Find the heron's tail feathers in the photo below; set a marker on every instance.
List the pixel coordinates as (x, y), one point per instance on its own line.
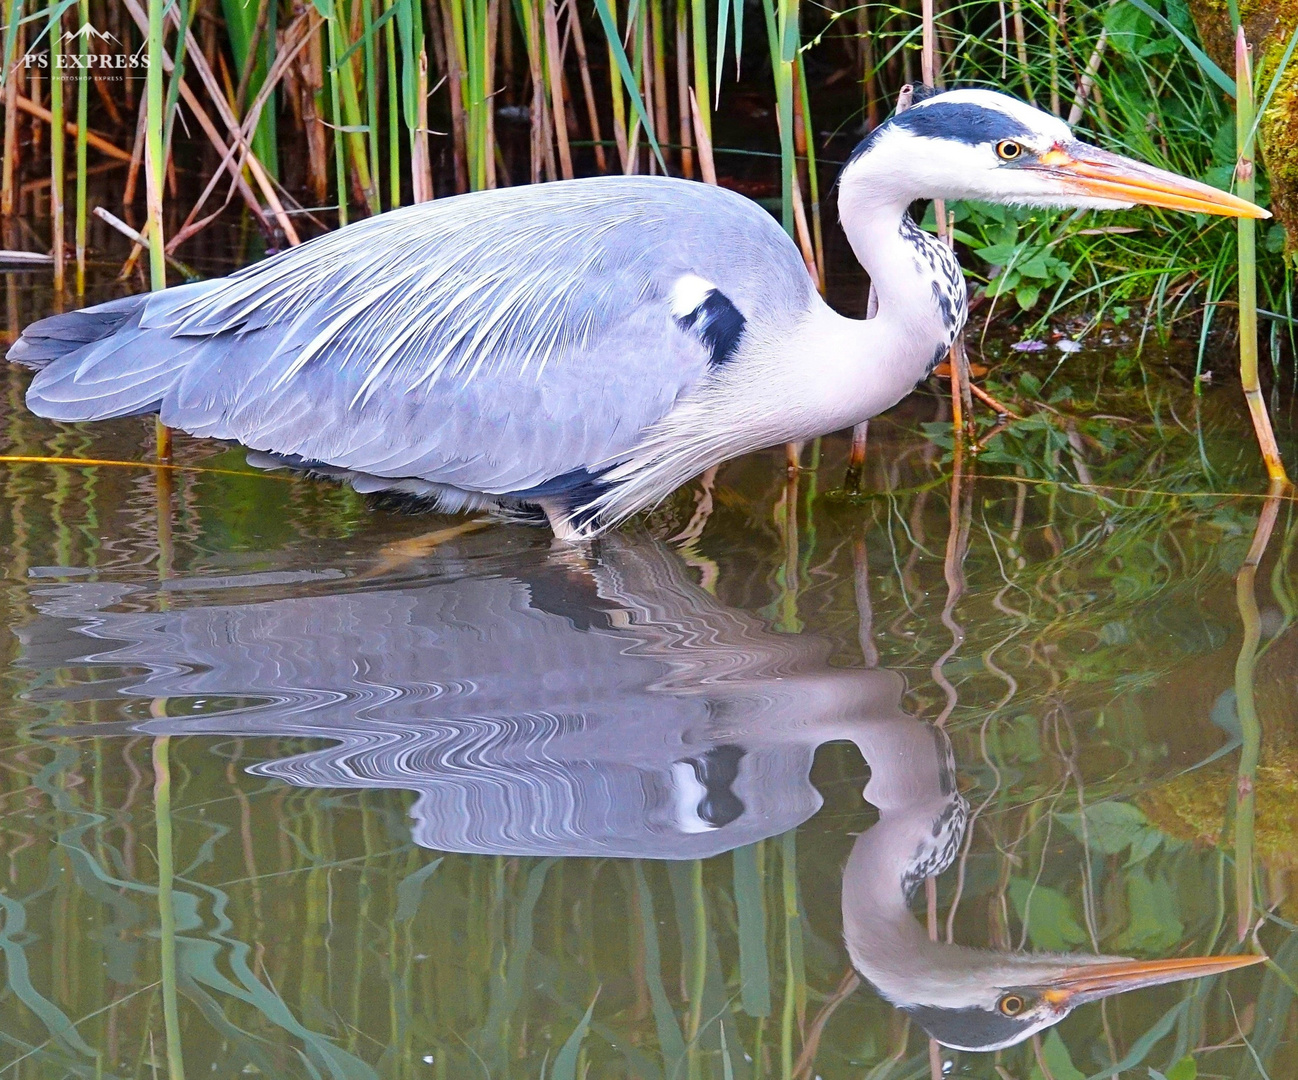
(115, 359)
(46, 341)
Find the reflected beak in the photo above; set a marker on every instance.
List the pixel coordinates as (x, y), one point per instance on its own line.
(1090, 982)
(1090, 171)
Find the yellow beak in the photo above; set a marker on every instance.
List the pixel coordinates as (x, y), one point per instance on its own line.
(1088, 170)
(1089, 982)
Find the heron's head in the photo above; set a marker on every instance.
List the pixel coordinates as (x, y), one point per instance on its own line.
(989, 1001)
(978, 144)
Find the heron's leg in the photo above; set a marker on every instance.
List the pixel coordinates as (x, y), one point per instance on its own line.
(400, 553)
(793, 456)
(702, 509)
(560, 518)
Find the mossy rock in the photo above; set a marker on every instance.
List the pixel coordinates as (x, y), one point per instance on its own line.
(1195, 808)
(1268, 25)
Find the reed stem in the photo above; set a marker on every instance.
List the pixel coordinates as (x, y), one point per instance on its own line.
(83, 122)
(1246, 707)
(57, 166)
(14, 42)
(166, 902)
(1247, 188)
(153, 180)
(335, 115)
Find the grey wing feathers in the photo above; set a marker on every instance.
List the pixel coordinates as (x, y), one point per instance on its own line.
(490, 342)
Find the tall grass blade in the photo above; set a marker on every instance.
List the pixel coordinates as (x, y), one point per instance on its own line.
(166, 904)
(754, 965)
(83, 121)
(57, 145)
(628, 80)
(241, 20)
(565, 1062)
(9, 75)
(1247, 186)
(1201, 58)
(671, 1044)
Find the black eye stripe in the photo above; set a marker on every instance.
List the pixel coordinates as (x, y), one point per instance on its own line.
(972, 124)
(958, 121)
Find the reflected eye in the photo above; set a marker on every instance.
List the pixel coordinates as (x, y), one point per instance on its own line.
(1011, 1005)
(1009, 150)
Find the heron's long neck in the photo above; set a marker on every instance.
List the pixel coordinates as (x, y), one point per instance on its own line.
(847, 370)
(904, 262)
(921, 823)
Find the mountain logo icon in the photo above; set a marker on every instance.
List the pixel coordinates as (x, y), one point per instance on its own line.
(88, 31)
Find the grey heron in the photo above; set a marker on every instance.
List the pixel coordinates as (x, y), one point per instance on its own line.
(615, 710)
(580, 348)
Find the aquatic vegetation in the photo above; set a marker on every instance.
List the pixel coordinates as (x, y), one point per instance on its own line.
(1077, 597)
(390, 102)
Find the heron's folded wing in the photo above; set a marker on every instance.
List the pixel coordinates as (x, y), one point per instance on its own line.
(490, 342)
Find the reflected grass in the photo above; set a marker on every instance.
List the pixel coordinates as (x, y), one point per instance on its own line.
(312, 938)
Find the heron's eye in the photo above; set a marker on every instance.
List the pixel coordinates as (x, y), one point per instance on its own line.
(1011, 1005)
(1009, 150)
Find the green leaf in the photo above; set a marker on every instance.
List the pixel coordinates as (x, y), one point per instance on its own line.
(1154, 927)
(1048, 914)
(628, 79)
(410, 890)
(1185, 1069)
(1035, 267)
(1110, 827)
(1055, 1054)
(1128, 28)
(565, 1062)
(1027, 295)
(1004, 283)
(997, 254)
(1201, 58)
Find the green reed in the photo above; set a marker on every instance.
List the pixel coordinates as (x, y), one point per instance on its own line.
(392, 947)
(637, 82)
(57, 145)
(83, 121)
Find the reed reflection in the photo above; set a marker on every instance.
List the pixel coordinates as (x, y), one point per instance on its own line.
(580, 707)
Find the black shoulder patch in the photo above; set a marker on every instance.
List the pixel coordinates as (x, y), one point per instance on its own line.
(717, 770)
(718, 324)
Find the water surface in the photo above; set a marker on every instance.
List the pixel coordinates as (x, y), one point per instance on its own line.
(298, 783)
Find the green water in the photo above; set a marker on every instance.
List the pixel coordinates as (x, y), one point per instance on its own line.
(297, 784)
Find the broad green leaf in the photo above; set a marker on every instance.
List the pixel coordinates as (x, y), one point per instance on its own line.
(1129, 28)
(1110, 827)
(1201, 58)
(1035, 267)
(1153, 926)
(997, 254)
(1048, 914)
(1060, 1063)
(1027, 295)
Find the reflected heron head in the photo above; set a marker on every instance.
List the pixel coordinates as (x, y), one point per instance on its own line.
(990, 1001)
(979, 144)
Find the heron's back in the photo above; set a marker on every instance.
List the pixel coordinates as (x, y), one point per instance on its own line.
(492, 342)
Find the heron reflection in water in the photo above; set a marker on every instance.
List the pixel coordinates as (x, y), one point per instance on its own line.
(611, 709)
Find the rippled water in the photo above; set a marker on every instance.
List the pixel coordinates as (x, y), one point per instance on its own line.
(299, 784)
